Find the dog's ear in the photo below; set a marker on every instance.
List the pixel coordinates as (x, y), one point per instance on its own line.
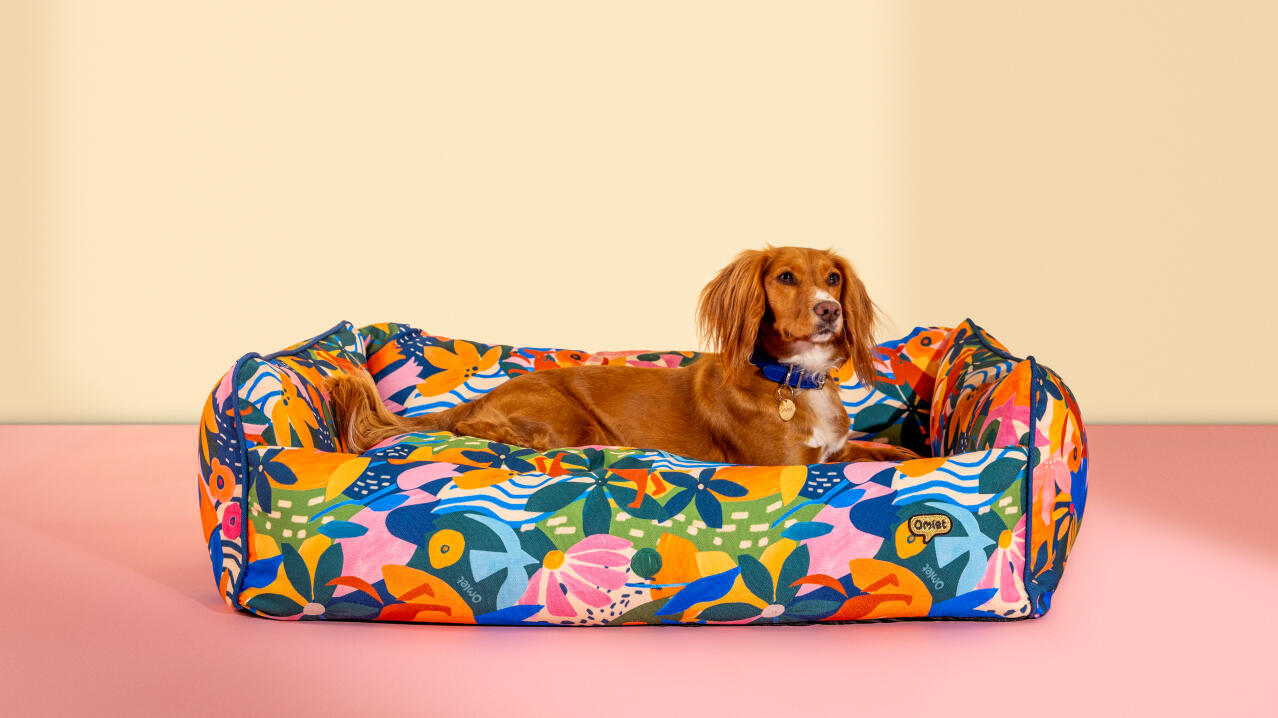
(732, 307)
(858, 323)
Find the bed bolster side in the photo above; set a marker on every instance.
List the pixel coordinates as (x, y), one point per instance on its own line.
(1058, 487)
(222, 481)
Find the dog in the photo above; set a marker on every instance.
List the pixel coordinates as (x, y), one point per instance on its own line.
(780, 320)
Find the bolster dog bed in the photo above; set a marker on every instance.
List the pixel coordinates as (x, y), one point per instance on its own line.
(439, 528)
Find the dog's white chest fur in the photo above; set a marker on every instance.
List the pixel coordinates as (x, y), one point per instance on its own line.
(829, 433)
(816, 359)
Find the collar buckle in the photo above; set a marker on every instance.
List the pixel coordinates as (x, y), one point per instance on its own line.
(789, 375)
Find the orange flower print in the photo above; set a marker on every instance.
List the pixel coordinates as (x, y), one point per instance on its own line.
(292, 412)
(221, 483)
(456, 366)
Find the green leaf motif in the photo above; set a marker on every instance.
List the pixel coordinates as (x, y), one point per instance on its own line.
(729, 612)
(631, 462)
(812, 608)
(1001, 473)
(756, 578)
(873, 418)
(327, 568)
(295, 569)
(990, 435)
(556, 496)
(596, 516)
(794, 568)
(649, 508)
(273, 604)
(351, 611)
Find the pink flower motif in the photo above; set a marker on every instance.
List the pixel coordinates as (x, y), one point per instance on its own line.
(829, 553)
(416, 476)
(223, 390)
(406, 375)
(1010, 417)
(862, 471)
(579, 572)
(231, 520)
(364, 555)
(1004, 572)
(254, 429)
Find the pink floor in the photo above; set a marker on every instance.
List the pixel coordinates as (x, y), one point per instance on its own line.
(109, 608)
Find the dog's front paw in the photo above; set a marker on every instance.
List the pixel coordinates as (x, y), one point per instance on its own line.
(875, 451)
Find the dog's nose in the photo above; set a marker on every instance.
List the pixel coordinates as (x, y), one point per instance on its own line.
(828, 311)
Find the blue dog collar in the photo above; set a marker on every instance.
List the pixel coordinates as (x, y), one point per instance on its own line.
(791, 375)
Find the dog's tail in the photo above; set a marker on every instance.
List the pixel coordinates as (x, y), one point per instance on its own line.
(363, 420)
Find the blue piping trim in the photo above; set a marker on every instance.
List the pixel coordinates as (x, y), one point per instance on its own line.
(980, 335)
(1029, 487)
(312, 341)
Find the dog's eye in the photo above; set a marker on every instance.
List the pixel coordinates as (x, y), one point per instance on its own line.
(833, 279)
(785, 278)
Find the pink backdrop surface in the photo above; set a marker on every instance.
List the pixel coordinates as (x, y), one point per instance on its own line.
(108, 607)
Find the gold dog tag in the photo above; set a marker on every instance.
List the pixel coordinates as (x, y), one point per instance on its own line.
(786, 409)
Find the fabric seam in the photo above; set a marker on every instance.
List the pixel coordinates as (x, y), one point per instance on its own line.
(244, 463)
(1027, 490)
(1029, 485)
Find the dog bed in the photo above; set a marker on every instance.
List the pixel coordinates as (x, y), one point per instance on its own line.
(438, 528)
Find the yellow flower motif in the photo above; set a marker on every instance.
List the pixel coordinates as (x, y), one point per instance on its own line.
(292, 412)
(907, 544)
(446, 547)
(457, 366)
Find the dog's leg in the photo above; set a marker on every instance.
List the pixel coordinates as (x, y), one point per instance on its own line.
(518, 431)
(872, 451)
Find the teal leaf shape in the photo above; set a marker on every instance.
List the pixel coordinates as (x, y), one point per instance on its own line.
(555, 496)
(806, 530)
(755, 576)
(729, 612)
(343, 529)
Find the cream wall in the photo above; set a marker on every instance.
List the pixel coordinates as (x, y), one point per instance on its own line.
(186, 181)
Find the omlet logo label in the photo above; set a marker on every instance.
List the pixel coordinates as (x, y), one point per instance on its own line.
(471, 593)
(930, 574)
(929, 526)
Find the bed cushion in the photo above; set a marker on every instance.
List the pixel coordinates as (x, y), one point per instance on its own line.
(452, 529)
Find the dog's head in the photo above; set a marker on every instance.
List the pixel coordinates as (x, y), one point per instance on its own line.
(804, 306)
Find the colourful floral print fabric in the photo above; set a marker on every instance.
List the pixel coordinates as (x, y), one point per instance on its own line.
(453, 529)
